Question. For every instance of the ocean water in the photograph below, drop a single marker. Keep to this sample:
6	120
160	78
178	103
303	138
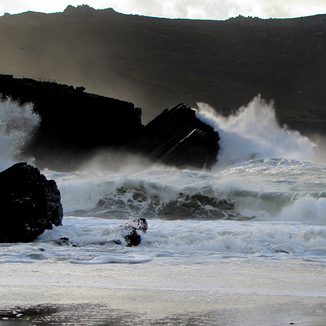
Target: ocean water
242	244
266	197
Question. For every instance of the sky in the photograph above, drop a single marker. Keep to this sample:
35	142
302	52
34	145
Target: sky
194	9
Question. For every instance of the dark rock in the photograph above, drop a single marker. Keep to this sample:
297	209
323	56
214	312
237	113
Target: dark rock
64	241
129	231
125	234
176	137
74	124
199	207
130	235
29	204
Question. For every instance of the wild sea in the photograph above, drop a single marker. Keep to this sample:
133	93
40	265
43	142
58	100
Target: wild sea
266	197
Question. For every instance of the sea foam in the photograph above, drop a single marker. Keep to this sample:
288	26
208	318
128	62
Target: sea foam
17	124
253	132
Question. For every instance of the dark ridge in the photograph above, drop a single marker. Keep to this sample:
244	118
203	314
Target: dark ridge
73	123
176	137
76	126
156	63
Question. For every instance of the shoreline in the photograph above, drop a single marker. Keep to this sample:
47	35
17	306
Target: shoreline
239	310
227	292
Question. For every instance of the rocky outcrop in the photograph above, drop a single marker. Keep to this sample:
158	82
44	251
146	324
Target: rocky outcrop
74	124
129	231
176	137
29	204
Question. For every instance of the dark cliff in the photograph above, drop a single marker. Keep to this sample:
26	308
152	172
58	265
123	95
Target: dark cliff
76	126
176	137
73	123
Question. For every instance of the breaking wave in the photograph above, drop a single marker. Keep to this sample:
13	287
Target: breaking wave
266	189
264	198
253	132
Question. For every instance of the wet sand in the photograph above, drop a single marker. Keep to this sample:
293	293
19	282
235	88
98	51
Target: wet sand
225	292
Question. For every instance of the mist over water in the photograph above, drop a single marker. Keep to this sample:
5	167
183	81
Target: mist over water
17	124
253	133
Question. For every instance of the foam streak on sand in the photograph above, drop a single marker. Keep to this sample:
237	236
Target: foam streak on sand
220	292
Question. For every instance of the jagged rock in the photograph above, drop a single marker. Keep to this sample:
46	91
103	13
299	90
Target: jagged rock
29	204
74	124
129	231
176	137
64	241
130	235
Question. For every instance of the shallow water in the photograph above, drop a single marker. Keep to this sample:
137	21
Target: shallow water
167	291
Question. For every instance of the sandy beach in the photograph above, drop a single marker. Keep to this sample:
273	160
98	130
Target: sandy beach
225	292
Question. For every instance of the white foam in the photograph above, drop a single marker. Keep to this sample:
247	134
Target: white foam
268	189
306	209
17	124
110	259
253	132
170	240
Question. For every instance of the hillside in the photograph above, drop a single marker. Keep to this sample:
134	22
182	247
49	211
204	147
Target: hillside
157	63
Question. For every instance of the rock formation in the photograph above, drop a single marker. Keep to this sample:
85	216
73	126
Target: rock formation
176	137
129	231
29	204
75	125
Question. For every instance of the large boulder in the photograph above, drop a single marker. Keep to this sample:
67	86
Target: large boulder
177	137
29	204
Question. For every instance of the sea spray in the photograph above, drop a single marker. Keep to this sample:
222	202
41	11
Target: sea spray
17	124
254	132
264	189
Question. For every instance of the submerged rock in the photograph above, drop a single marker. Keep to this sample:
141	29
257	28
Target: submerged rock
29	204
125	234
129	231
177	137
130	236
64	241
